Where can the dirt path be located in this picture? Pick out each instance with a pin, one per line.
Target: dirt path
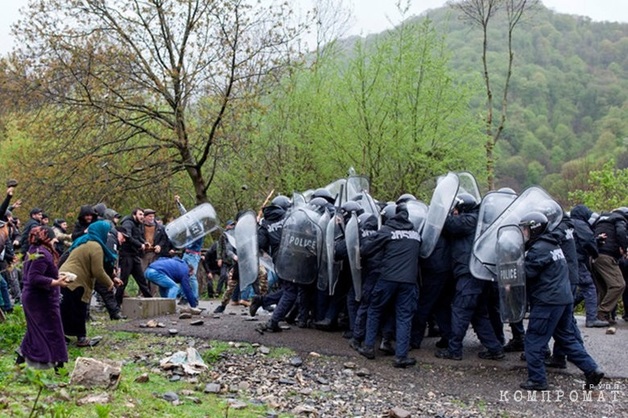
(488, 388)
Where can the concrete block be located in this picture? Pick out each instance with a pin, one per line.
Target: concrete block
(139, 308)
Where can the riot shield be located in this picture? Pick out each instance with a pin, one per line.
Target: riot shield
(356, 185)
(323, 271)
(493, 204)
(246, 244)
(230, 234)
(532, 199)
(193, 225)
(468, 184)
(440, 206)
(352, 239)
(417, 212)
(333, 267)
(297, 257)
(336, 189)
(511, 273)
(298, 199)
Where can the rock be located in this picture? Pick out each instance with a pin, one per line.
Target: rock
(197, 322)
(143, 378)
(611, 330)
(64, 395)
(363, 372)
(90, 373)
(170, 396)
(314, 354)
(99, 399)
(236, 404)
(161, 325)
(151, 324)
(305, 410)
(296, 361)
(173, 331)
(264, 350)
(287, 381)
(185, 315)
(175, 378)
(244, 385)
(349, 365)
(186, 392)
(322, 380)
(212, 388)
(397, 412)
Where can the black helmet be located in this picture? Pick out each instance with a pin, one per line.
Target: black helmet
(465, 202)
(318, 204)
(351, 206)
(622, 211)
(367, 221)
(388, 212)
(323, 193)
(281, 201)
(536, 222)
(405, 197)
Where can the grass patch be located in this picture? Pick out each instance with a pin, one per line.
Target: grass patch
(25, 392)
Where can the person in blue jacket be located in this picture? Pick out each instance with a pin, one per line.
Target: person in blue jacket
(169, 274)
(551, 305)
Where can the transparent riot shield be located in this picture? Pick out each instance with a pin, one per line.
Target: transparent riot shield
(193, 225)
(440, 206)
(333, 267)
(298, 200)
(468, 184)
(352, 239)
(417, 213)
(532, 199)
(297, 257)
(356, 185)
(511, 273)
(336, 189)
(323, 271)
(493, 204)
(245, 233)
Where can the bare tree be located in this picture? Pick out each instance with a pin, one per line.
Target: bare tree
(167, 81)
(482, 13)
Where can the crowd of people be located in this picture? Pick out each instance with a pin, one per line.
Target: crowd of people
(400, 297)
(55, 272)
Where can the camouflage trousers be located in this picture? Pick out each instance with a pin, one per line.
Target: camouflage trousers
(260, 285)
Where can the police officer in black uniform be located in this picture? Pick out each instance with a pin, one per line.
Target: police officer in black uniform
(551, 305)
(470, 301)
(398, 283)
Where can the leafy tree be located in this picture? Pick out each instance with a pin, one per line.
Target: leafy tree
(167, 83)
(607, 189)
(482, 13)
(389, 107)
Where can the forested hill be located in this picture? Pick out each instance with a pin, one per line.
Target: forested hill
(568, 101)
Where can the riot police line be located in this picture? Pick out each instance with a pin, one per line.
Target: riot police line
(318, 243)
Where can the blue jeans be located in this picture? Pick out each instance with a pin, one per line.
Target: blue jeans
(5, 299)
(168, 288)
(193, 260)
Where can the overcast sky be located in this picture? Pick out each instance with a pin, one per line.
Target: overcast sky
(372, 16)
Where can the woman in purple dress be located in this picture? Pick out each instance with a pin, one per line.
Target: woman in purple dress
(44, 344)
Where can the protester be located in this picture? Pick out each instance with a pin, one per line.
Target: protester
(86, 259)
(43, 345)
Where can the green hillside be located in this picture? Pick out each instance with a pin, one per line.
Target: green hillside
(568, 102)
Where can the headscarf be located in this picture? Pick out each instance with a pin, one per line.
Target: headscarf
(97, 231)
(43, 236)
